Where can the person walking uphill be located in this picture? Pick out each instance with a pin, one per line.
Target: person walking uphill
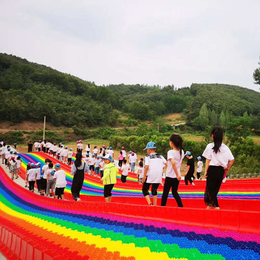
(109, 178)
(154, 164)
(78, 170)
(173, 172)
(219, 159)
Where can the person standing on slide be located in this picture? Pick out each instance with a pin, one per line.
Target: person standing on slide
(219, 159)
(109, 178)
(78, 170)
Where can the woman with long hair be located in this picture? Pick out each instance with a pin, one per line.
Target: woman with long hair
(219, 159)
(78, 170)
(173, 172)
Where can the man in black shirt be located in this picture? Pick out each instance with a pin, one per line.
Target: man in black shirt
(190, 168)
(30, 146)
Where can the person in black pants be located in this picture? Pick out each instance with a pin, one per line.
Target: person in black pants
(78, 170)
(190, 168)
(30, 146)
(219, 159)
(173, 172)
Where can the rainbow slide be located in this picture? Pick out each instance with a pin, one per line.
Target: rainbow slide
(36, 227)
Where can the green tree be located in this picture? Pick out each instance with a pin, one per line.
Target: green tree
(203, 118)
(225, 118)
(256, 75)
(213, 118)
(142, 129)
(139, 111)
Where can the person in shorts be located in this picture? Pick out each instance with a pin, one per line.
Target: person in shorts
(109, 178)
(199, 167)
(140, 172)
(60, 178)
(125, 169)
(154, 165)
(31, 177)
(50, 181)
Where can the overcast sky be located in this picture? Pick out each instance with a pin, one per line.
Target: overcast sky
(144, 41)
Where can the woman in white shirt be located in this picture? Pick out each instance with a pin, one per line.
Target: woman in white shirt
(219, 159)
(173, 172)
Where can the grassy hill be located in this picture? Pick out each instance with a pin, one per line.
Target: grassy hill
(30, 91)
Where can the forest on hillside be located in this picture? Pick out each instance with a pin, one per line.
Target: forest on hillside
(30, 91)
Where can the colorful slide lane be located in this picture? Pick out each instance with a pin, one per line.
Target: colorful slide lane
(242, 189)
(36, 227)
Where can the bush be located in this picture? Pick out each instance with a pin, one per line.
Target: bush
(82, 133)
(13, 137)
(138, 143)
(104, 133)
(49, 135)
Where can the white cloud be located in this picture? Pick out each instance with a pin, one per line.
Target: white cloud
(146, 42)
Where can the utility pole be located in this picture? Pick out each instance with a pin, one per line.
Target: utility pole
(44, 125)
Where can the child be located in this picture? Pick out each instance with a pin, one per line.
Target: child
(7, 155)
(48, 146)
(44, 146)
(173, 172)
(199, 168)
(125, 169)
(18, 166)
(15, 155)
(51, 148)
(140, 172)
(12, 164)
(39, 145)
(109, 178)
(132, 161)
(70, 154)
(123, 152)
(2, 153)
(44, 176)
(91, 163)
(54, 150)
(31, 177)
(101, 168)
(110, 152)
(81, 146)
(154, 165)
(38, 176)
(50, 180)
(65, 155)
(61, 153)
(95, 151)
(141, 160)
(97, 164)
(60, 178)
(88, 147)
(27, 169)
(9, 159)
(35, 146)
(190, 168)
(120, 159)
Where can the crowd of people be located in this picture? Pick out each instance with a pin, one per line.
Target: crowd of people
(11, 159)
(51, 179)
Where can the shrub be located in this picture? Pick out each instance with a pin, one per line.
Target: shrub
(13, 137)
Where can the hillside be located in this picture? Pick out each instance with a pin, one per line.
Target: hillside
(30, 91)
